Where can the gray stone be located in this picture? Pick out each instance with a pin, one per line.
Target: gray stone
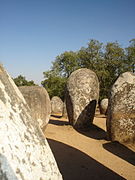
(39, 103)
(121, 109)
(103, 106)
(56, 106)
(82, 96)
(64, 113)
(24, 151)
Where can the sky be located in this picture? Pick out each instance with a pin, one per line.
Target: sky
(34, 32)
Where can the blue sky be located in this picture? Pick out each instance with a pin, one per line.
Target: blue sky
(34, 32)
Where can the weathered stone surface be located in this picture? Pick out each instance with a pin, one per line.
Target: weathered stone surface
(121, 109)
(64, 113)
(103, 106)
(24, 151)
(39, 103)
(82, 96)
(56, 106)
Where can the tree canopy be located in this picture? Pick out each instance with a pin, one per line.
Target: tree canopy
(107, 61)
(21, 81)
(54, 84)
(130, 53)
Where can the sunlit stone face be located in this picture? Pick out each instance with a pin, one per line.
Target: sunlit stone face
(24, 151)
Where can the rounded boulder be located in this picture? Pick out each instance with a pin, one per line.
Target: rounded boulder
(121, 109)
(81, 97)
(24, 151)
(38, 100)
(103, 106)
(56, 106)
(64, 113)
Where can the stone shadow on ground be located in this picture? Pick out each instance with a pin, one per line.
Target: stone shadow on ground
(121, 151)
(84, 125)
(87, 127)
(76, 165)
(94, 132)
(58, 122)
(56, 115)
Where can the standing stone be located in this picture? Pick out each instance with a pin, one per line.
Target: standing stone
(103, 106)
(56, 106)
(24, 151)
(82, 96)
(39, 103)
(64, 113)
(121, 109)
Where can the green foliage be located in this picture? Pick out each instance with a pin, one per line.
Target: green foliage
(113, 64)
(21, 81)
(66, 63)
(131, 56)
(89, 57)
(54, 84)
(107, 61)
(55, 79)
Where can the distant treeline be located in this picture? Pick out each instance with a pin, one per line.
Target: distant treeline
(21, 81)
(107, 61)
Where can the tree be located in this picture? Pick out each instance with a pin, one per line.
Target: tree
(130, 52)
(21, 81)
(113, 65)
(66, 63)
(89, 57)
(108, 62)
(55, 79)
(94, 57)
(54, 84)
(114, 58)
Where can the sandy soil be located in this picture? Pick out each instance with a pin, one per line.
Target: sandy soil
(87, 155)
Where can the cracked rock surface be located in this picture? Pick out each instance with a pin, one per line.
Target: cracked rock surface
(81, 97)
(24, 151)
(121, 110)
(38, 100)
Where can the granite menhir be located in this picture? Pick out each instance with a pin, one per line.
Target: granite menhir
(38, 100)
(121, 109)
(24, 151)
(81, 97)
(103, 106)
(56, 106)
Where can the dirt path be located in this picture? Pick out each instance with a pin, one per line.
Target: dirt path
(87, 155)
